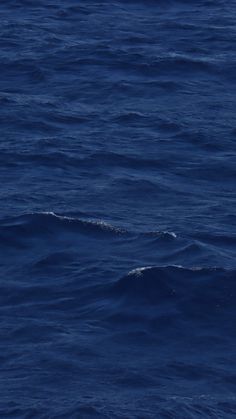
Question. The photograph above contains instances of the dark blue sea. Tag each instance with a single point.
(118, 209)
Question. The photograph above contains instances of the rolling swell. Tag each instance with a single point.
(117, 215)
(168, 313)
(197, 293)
(50, 223)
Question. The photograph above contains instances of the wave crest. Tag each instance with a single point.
(183, 293)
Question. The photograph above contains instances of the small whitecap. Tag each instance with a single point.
(139, 271)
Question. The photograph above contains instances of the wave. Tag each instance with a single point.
(171, 406)
(46, 222)
(49, 222)
(160, 245)
(64, 159)
(173, 294)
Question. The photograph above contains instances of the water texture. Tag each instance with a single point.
(117, 215)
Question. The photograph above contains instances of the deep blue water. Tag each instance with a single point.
(117, 215)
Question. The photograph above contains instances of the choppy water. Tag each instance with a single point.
(117, 216)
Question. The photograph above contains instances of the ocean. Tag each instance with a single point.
(118, 209)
